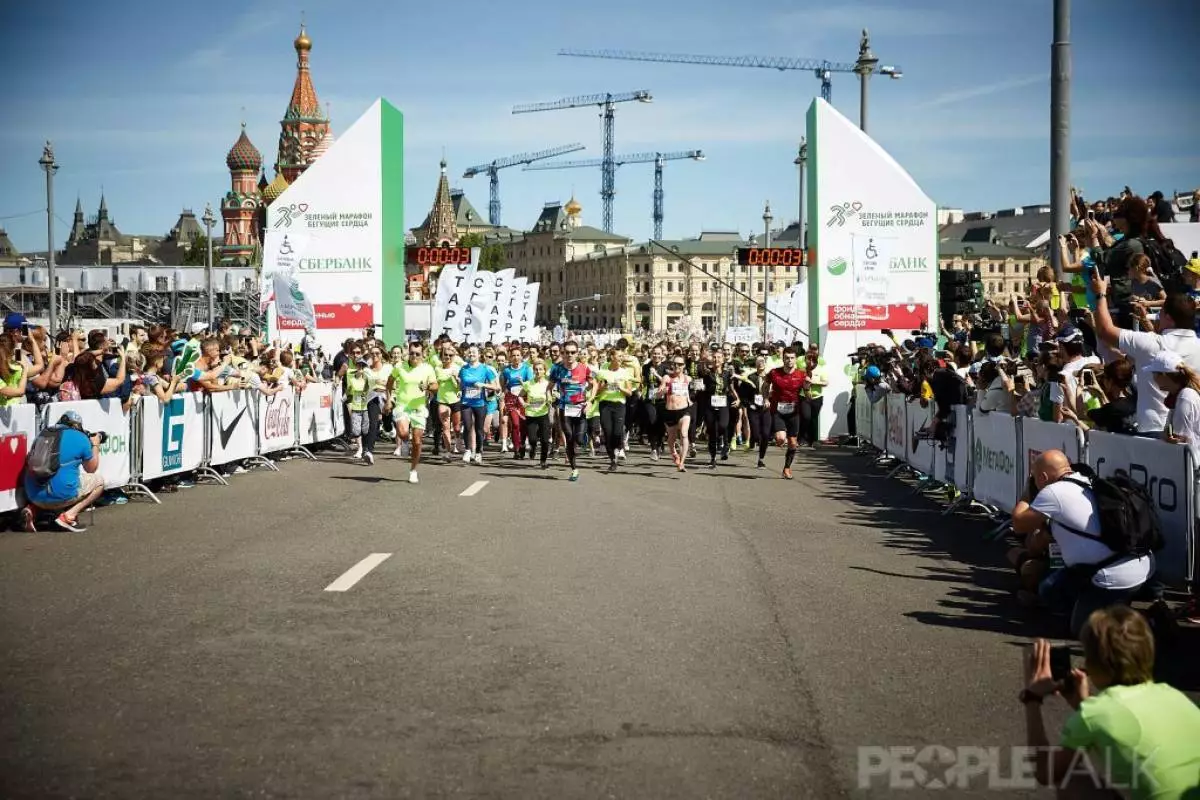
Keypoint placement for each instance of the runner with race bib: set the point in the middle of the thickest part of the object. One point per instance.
(786, 384)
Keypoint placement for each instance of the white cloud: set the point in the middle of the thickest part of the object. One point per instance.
(985, 90)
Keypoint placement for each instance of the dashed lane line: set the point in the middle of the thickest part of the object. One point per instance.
(474, 489)
(357, 572)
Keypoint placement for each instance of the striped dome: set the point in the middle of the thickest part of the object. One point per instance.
(244, 155)
(274, 188)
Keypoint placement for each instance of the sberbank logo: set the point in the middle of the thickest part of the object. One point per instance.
(995, 460)
(836, 266)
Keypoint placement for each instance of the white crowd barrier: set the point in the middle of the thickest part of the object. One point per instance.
(988, 459)
(192, 432)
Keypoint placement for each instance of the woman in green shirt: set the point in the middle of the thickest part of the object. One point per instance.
(616, 384)
(537, 410)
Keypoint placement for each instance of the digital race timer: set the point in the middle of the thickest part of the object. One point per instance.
(419, 256)
(770, 256)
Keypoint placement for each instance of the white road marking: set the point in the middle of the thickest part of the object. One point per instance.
(357, 572)
(473, 489)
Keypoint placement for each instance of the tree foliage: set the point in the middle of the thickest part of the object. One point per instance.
(491, 256)
(197, 253)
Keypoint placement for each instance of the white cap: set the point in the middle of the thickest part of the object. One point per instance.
(1165, 361)
(199, 327)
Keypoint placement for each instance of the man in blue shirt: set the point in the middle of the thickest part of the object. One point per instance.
(75, 486)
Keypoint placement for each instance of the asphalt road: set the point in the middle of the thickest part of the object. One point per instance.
(637, 635)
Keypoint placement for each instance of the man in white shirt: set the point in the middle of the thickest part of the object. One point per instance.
(1094, 576)
(1175, 332)
(1070, 342)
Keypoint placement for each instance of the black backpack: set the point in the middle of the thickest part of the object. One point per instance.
(42, 462)
(1129, 523)
(1164, 259)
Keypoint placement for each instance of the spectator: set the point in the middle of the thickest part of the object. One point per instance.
(90, 378)
(1181, 384)
(1161, 208)
(153, 379)
(1148, 291)
(14, 376)
(1140, 736)
(1061, 500)
(1117, 412)
(76, 485)
(1116, 257)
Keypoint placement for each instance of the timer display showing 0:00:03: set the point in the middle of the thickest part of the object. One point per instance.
(771, 256)
(438, 256)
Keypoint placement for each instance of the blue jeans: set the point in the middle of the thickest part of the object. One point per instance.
(1071, 590)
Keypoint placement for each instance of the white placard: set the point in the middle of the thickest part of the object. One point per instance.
(744, 334)
(1038, 436)
(172, 434)
(897, 426)
(879, 424)
(277, 421)
(960, 466)
(862, 414)
(233, 436)
(497, 304)
(18, 429)
(339, 417)
(1167, 473)
(529, 333)
(919, 458)
(317, 412)
(995, 462)
(452, 299)
(107, 416)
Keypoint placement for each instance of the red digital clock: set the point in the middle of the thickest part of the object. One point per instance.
(770, 256)
(421, 256)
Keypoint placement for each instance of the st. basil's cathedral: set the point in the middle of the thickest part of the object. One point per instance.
(303, 137)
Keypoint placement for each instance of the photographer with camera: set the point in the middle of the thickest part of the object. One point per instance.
(60, 473)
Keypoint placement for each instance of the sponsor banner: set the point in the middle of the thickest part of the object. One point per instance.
(959, 465)
(897, 316)
(338, 316)
(897, 426)
(107, 416)
(1167, 473)
(862, 414)
(744, 334)
(1038, 436)
(997, 470)
(233, 435)
(277, 421)
(316, 415)
(172, 434)
(879, 425)
(18, 429)
(920, 452)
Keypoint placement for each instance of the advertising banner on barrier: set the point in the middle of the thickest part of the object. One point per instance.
(897, 426)
(18, 428)
(339, 418)
(1166, 472)
(920, 452)
(233, 436)
(995, 463)
(277, 421)
(317, 411)
(959, 465)
(1038, 436)
(107, 416)
(862, 414)
(172, 434)
(879, 425)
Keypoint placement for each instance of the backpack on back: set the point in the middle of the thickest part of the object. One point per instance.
(42, 463)
(1129, 523)
(1164, 259)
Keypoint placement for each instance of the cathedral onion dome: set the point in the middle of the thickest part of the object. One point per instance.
(274, 188)
(322, 145)
(302, 41)
(573, 208)
(244, 155)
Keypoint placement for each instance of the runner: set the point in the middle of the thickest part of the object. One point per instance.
(475, 378)
(575, 385)
(811, 409)
(356, 400)
(633, 404)
(695, 370)
(675, 387)
(537, 411)
(616, 386)
(720, 397)
(753, 391)
(512, 414)
(378, 374)
(411, 382)
(449, 398)
(786, 384)
(654, 408)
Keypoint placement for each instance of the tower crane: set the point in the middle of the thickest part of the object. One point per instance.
(866, 65)
(659, 160)
(608, 103)
(493, 168)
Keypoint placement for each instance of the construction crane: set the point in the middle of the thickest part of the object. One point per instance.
(659, 160)
(608, 103)
(493, 168)
(823, 70)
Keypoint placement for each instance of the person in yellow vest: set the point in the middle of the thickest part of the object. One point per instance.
(810, 408)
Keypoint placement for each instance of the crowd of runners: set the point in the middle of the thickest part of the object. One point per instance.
(543, 402)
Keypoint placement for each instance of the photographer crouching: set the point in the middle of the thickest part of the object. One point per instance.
(60, 473)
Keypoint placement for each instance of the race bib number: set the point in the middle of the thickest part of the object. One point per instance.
(573, 411)
(515, 391)
(679, 389)
(719, 401)
(786, 408)
(697, 385)
(472, 393)
(1055, 551)
(758, 400)
(614, 386)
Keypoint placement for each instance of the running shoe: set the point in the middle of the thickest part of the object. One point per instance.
(761, 464)
(621, 454)
(612, 465)
(712, 464)
(186, 483)
(28, 520)
(239, 470)
(398, 452)
(69, 524)
(653, 454)
(369, 459)
(358, 454)
(412, 477)
(787, 473)
(479, 457)
(466, 456)
(574, 475)
(725, 455)
(545, 465)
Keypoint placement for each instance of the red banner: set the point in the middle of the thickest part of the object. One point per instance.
(910, 316)
(335, 316)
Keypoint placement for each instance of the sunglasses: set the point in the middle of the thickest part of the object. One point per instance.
(679, 364)
(570, 352)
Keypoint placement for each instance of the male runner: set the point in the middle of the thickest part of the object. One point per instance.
(409, 387)
(786, 384)
(574, 385)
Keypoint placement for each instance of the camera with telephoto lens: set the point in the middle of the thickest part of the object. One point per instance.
(100, 435)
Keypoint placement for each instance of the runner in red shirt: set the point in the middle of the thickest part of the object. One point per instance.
(785, 384)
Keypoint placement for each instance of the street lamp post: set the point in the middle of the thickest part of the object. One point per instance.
(208, 220)
(801, 161)
(767, 219)
(562, 307)
(864, 68)
(50, 166)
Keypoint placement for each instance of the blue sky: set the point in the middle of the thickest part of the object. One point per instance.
(146, 103)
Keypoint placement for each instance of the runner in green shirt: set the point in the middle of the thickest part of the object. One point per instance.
(408, 392)
(537, 411)
(616, 384)
(449, 398)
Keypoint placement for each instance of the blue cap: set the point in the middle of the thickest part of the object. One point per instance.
(873, 373)
(178, 345)
(71, 418)
(14, 321)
